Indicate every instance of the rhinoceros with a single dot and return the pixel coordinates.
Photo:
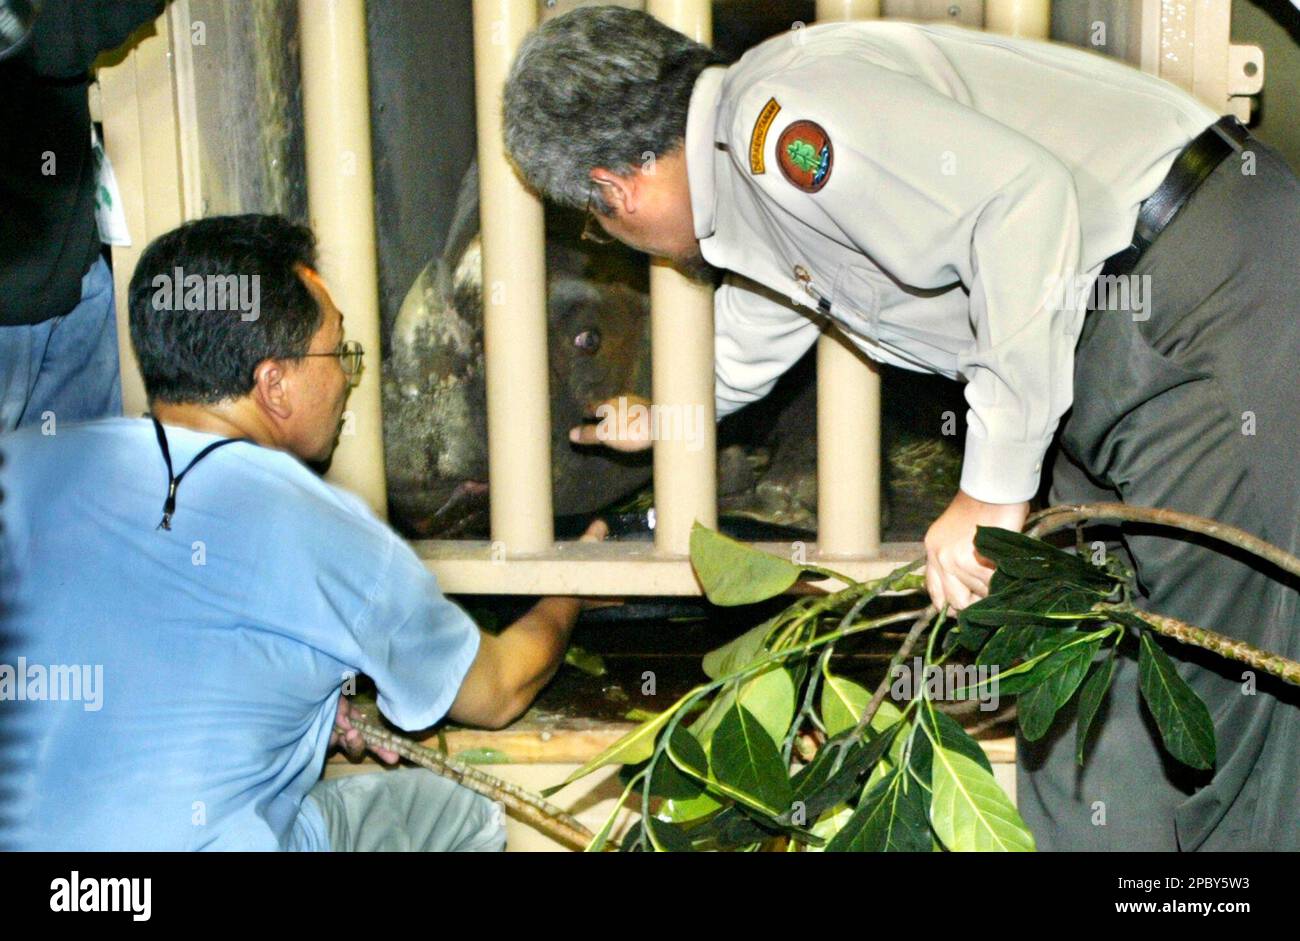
(597, 301)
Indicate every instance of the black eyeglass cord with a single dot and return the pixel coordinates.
(174, 480)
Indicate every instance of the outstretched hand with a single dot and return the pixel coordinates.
(622, 424)
(955, 572)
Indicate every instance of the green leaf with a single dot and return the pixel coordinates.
(667, 837)
(631, 842)
(679, 775)
(1032, 602)
(950, 735)
(590, 663)
(1184, 721)
(832, 821)
(732, 829)
(634, 747)
(685, 751)
(1090, 700)
(969, 812)
(1037, 666)
(1130, 619)
(681, 811)
(1021, 556)
(733, 573)
(966, 634)
(737, 827)
(1009, 644)
(948, 732)
(667, 781)
(843, 702)
(739, 653)
(769, 696)
(601, 838)
(744, 759)
(1062, 673)
(819, 789)
(890, 818)
(1000, 581)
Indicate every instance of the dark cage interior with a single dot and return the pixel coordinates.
(434, 392)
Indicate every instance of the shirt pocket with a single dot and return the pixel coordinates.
(855, 301)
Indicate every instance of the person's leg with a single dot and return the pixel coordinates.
(21, 349)
(1195, 408)
(1223, 446)
(77, 375)
(407, 810)
(1125, 794)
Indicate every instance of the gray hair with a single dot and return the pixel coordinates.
(598, 87)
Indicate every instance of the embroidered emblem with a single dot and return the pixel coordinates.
(758, 138)
(804, 154)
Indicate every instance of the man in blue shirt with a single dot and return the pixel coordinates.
(184, 600)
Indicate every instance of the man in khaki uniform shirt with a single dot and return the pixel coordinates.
(947, 198)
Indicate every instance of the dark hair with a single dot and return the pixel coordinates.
(598, 87)
(194, 350)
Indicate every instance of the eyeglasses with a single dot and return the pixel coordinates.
(349, 355)
(591, 230)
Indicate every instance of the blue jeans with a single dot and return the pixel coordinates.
(65, 368)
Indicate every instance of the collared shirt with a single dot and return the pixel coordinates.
(179, 687)
(974, 186)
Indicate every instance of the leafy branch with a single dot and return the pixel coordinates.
(777, 751)
(719, 770)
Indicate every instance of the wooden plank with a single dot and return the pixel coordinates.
(577, 746)
(479, 567)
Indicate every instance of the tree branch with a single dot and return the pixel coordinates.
(528, 807)
(1067, 514)
(1262, 660)
(1055, 518)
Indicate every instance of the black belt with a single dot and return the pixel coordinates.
(1190, 168)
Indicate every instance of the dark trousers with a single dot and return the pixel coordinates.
(1195, 408)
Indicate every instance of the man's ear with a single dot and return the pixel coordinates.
(619, 192)
(271, 386)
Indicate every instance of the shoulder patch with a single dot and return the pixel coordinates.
(758, 137)
(804, 153)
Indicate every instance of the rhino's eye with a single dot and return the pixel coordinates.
(588, 341)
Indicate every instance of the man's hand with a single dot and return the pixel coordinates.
(350, 740)
(620, 424)
(954, 572)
